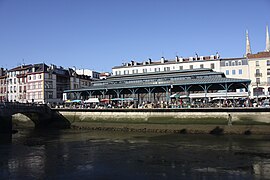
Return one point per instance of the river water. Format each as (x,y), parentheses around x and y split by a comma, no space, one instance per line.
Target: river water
(81,154)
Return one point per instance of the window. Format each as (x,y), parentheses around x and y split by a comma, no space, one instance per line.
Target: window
(268,63)
(191,67)
(233,72)
(268,71)
(257,63)
(166,68)
(212,66)
(157,69)
(39,76)
(258,80)
(268,80)
(126,71)
(29,77)
(134,71)
(227,72)
(233,63)
(49,94)
(34,77)
(201,65)
(48,84)
(240,71)
(144,70)
(257,71)
(39,95)
(180,67)
(227,63)
(39,85)
(239,63)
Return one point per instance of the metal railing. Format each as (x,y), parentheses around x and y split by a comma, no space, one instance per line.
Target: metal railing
(258,74)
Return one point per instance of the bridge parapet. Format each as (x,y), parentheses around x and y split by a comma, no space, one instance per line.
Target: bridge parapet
(13,108)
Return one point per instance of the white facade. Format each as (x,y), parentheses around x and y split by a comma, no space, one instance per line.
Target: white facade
(255,67)
(88,72)
(17,84)
(259,65)
(212,62)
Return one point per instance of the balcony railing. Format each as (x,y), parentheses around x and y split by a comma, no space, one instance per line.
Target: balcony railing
(260,84)
(258,74)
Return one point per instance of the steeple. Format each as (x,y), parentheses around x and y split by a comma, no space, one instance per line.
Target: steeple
(267,48)
(248,49)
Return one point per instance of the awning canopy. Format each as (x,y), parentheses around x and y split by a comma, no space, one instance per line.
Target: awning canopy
(76,101)
(176,95)
(91,100)
(124,99)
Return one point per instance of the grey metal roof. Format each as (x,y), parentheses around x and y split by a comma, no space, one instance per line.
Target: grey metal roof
(210,80)
(166,74)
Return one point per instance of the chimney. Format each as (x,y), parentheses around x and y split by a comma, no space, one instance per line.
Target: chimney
(149,61)
(181,59)
(201,58)
(217,55)
(162,60)
(176,59)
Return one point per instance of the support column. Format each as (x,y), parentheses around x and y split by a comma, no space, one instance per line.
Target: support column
(90,93)
(133,92)
(166,89)
(78,95)
(149,91)
(118,92)
(185,89)
(226,87)
(103,92)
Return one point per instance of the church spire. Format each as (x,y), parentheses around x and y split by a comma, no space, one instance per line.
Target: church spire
(267,48)
(248,49)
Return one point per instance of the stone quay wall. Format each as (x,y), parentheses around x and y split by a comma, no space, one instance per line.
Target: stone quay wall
(205,120)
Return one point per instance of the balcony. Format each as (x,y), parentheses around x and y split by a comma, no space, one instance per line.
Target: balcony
(258,74)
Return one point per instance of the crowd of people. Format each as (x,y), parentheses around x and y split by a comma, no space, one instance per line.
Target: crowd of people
(173,103)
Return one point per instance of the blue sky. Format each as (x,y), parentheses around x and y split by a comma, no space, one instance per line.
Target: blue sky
(100,34)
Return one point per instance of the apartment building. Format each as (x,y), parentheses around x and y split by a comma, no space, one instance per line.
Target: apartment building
(3,85)
(40,83)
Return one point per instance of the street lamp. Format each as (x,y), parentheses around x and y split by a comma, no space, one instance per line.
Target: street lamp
(6,86)
(257,92)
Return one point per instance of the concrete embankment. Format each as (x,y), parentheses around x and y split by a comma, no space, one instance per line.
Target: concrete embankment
(244,121)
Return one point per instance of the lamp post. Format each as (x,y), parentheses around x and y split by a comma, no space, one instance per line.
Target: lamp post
(6,86)
(257,93)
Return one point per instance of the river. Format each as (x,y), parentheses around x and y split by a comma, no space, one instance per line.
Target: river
(82,154)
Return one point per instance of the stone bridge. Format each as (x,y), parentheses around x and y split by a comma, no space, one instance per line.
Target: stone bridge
(41,115)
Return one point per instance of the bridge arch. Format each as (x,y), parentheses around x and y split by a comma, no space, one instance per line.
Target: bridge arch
(41,115)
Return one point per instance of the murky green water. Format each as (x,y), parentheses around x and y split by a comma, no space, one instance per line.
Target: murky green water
(73,154)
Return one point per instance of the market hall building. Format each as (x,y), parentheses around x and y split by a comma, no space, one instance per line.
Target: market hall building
(156,87)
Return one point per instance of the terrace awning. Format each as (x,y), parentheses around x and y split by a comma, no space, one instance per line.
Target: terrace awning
(91,100)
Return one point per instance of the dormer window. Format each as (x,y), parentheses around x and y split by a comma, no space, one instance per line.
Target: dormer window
(233,63)
(239,63)
(227,63)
